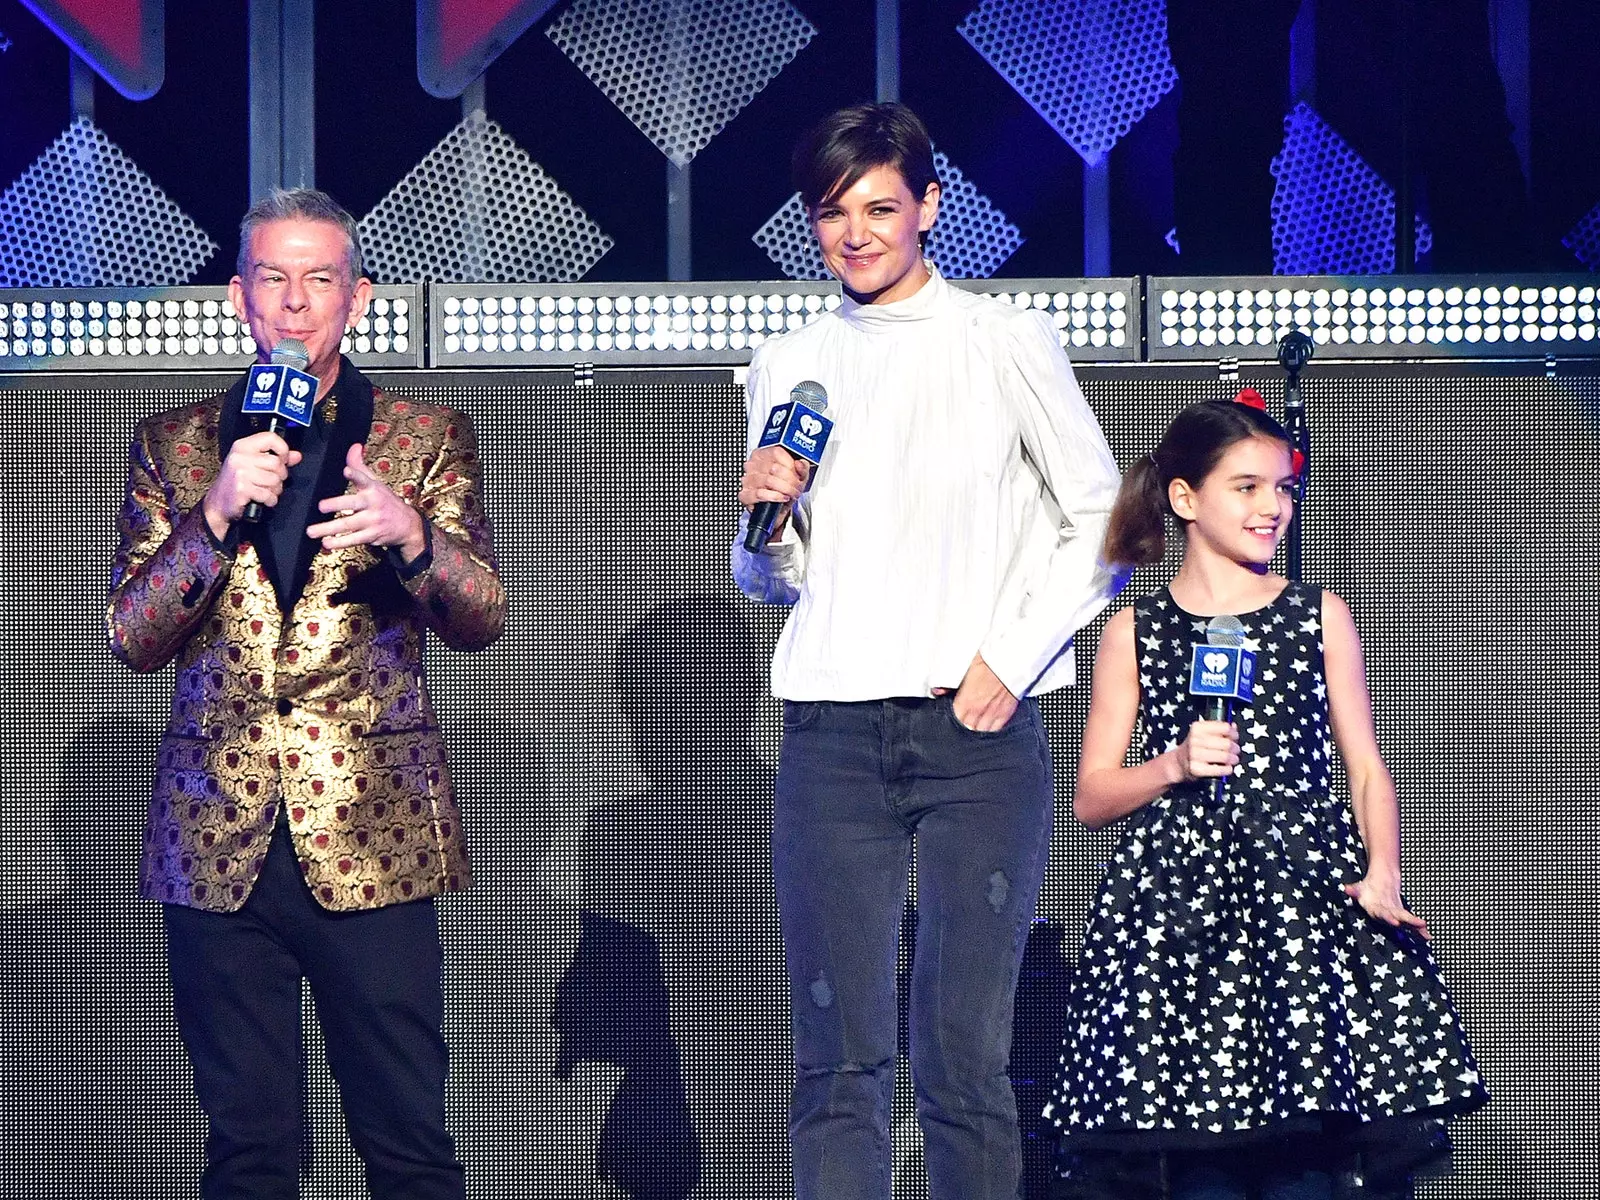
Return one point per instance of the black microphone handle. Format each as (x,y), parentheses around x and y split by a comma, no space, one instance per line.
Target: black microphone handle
(1217,709)
(759,531)
(252,511)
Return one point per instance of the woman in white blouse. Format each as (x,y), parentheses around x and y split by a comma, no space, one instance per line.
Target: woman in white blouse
(938,562)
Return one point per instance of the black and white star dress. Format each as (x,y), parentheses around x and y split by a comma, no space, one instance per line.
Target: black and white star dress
(1230,995)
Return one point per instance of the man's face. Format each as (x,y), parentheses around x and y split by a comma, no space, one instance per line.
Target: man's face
(297,285)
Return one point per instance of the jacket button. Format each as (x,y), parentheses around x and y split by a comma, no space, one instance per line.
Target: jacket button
(284,708)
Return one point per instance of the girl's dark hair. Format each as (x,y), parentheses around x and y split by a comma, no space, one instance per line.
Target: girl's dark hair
(1195,441)
(846,144)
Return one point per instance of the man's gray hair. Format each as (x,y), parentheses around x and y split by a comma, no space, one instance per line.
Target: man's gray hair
(299,204)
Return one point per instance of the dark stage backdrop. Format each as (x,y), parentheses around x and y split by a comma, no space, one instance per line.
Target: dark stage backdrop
(616,1006)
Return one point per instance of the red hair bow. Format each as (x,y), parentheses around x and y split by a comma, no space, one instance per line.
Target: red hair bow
(1253,399)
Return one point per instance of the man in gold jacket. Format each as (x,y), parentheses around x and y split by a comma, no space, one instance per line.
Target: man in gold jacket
(303,815)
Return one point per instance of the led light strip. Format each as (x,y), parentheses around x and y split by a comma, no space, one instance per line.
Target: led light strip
(1467,318)
(109,329)
(557,324)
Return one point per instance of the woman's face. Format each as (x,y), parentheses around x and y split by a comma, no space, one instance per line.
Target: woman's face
(869,236)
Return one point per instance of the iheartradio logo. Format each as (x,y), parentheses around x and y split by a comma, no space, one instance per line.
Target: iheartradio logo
(777,418)
(1216,662)
(299,388)
(810,425)
(266,380)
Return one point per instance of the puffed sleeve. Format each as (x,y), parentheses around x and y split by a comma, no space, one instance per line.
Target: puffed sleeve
(1056,583)
(773,575)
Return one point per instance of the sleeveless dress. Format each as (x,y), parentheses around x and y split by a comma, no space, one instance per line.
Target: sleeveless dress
(1230,996)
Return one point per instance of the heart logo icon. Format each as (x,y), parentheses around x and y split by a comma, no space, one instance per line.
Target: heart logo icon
(1216,661)
(811,425)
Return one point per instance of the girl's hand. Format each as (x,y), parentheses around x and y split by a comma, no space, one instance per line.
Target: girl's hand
(1210,750)
(1379,894)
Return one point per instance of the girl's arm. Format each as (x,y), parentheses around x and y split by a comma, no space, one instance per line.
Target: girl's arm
(1371,786)
(1107,789)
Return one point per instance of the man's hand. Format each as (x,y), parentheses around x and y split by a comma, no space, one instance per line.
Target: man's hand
(982,703)
(369,515)
(255,471)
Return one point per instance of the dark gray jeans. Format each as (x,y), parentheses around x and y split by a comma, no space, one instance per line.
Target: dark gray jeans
(857,784)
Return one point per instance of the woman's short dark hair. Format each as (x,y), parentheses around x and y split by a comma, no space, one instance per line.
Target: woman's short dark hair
(846,144)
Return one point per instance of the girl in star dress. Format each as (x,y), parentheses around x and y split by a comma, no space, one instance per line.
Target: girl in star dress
(1256,1013)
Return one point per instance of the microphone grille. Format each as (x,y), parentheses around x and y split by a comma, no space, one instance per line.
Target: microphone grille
(291,352)
(1226,630)
(810,393)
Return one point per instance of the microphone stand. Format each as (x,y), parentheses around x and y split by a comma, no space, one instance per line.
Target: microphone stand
(1294,351)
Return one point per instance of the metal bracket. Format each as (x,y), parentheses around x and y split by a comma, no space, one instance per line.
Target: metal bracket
(583,375)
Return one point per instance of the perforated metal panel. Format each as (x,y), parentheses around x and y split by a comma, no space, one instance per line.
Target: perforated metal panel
(85,215)
(681,69)
(1583,239)
(478,209)
(789,242)
(1332,214)
(1092,68)
(970,240)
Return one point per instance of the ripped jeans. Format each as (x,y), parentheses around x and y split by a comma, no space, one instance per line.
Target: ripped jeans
(857,782)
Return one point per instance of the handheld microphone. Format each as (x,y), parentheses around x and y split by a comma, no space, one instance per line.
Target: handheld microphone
(281,391)
(1222,671)
(800,428)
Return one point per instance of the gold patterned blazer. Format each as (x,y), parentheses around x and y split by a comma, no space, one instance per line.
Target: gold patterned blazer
(301,685)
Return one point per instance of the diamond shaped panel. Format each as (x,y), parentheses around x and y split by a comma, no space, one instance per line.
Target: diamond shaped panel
(681,69)
(970,240)
(1332,214)
(85,215)
(478,209)
(1091,68)
(1583,239)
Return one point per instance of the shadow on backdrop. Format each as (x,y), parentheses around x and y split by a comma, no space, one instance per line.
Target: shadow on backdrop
(674,980)
(96,1089)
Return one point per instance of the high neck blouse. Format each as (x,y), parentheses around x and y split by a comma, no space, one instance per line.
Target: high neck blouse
(959,508)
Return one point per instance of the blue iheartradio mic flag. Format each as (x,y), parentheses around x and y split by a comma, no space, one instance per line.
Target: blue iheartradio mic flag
(280,391)
(1225,673)
(1221,672)
(800,428)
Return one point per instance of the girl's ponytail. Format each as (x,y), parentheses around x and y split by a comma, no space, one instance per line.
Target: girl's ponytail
(1136,535)
(1194,442)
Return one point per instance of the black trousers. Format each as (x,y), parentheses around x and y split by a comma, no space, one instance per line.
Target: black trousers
(376,980)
